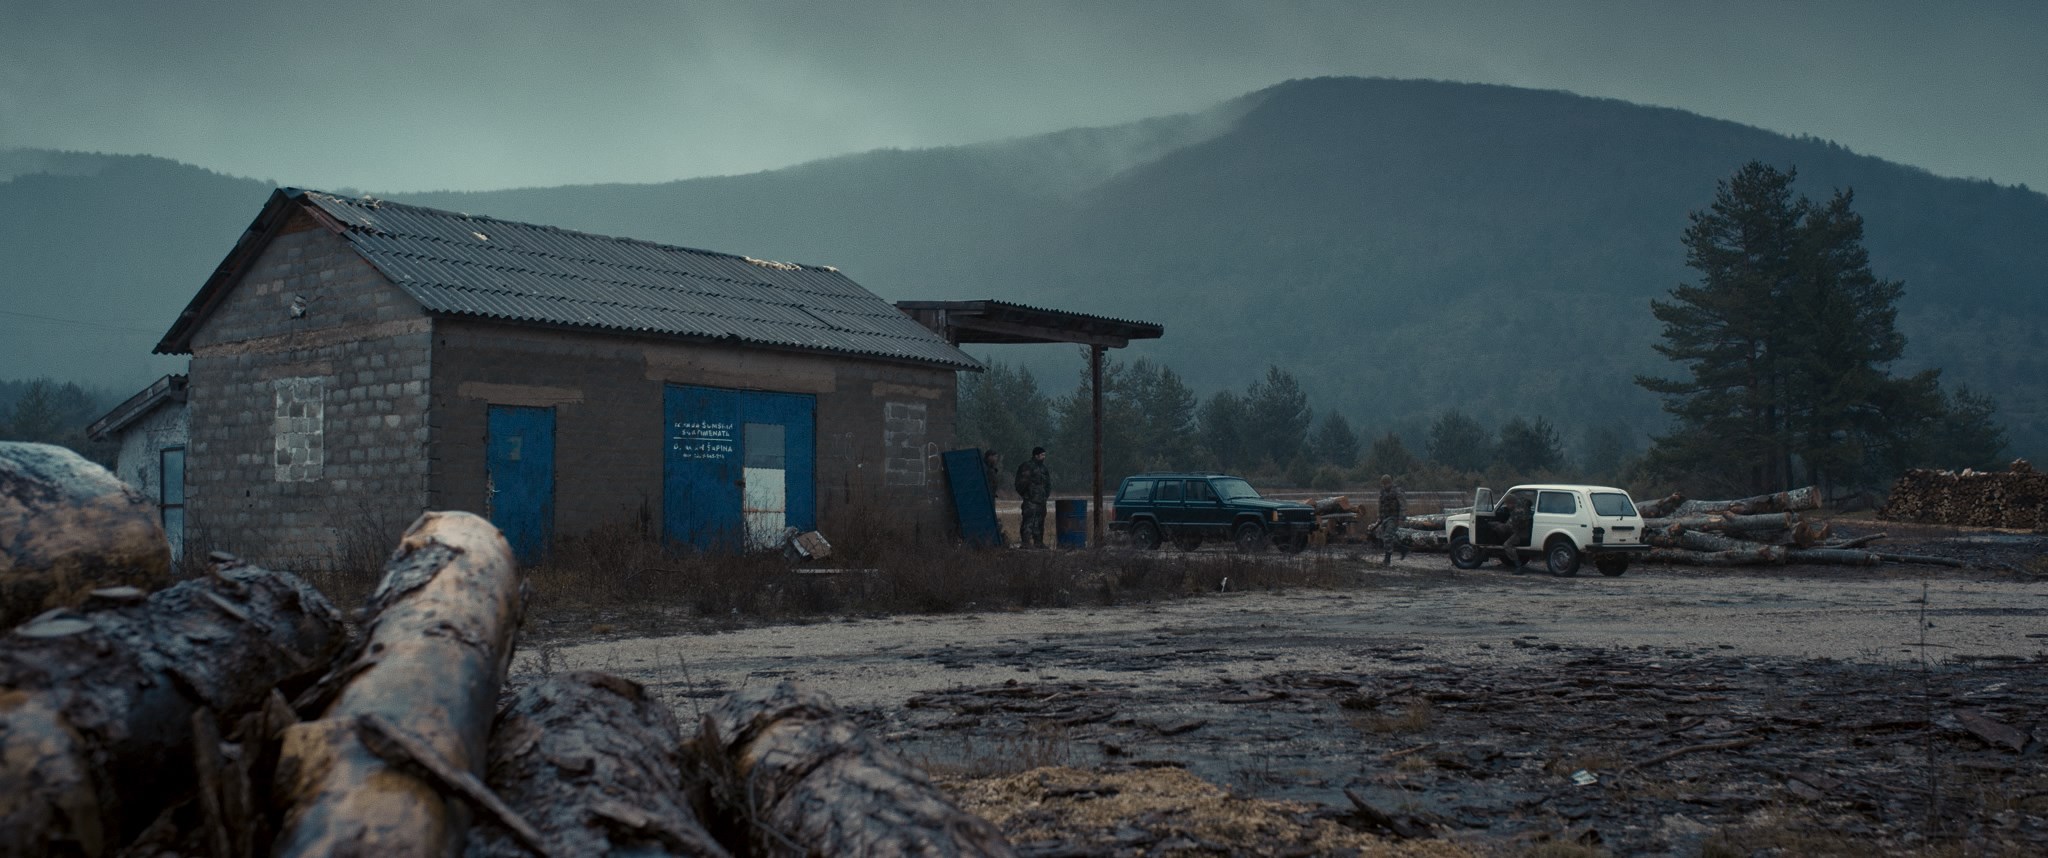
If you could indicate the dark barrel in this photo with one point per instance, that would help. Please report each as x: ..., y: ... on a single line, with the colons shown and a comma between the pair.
x: 1070, y: 521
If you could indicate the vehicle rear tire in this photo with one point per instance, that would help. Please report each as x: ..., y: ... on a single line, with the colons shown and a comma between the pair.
x: 1187, y: 540
x: 1250, y: 537
x: 1466, y: 555
x: 1146, y: 535
x: 1563, y: 557
x: 1611, y: 565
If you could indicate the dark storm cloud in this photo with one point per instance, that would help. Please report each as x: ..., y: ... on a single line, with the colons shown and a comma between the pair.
x: 404, y: 95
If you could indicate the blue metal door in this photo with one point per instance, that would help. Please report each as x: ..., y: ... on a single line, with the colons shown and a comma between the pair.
x: 974, y: 506
x: 519, y: 468
x: 738, y: 466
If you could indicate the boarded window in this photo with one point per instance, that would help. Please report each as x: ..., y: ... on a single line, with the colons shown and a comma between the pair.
x: 299, y: 429
x: 903, y: 439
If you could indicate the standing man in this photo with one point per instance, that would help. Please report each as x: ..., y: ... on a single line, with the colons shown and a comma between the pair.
x: 1390, y: 520
x: 1034, y: 487
x: 1520, y: 517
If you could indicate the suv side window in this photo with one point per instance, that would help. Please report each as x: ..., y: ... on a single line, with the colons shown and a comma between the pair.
x: 1169, y: 490
x: 1136, y: 490
x: 1199, y: 490
x: 1560, y: 503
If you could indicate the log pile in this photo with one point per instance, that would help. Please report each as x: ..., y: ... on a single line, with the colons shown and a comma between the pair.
x: 2014, y: 498
x: 68, y: 528
x: 1766, y: 530
x: 235, y: 715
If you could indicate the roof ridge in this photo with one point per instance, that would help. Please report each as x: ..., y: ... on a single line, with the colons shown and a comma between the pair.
x: 379, y: 202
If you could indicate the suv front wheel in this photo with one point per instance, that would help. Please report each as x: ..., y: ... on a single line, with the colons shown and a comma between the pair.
x: 1563, y: 557
x: 1250, y: 537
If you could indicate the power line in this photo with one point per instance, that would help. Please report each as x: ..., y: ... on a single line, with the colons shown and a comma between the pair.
x: 80, y: 323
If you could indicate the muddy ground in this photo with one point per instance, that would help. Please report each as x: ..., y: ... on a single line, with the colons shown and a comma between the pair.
x: 1807, y: 710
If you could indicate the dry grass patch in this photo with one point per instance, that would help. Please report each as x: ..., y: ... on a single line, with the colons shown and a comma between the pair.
x: 1164, y: 812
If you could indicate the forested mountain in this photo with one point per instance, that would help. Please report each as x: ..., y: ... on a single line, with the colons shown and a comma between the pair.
x: 1403, y: 247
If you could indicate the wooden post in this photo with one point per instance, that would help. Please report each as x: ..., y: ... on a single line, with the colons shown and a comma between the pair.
x: 1095, y: 390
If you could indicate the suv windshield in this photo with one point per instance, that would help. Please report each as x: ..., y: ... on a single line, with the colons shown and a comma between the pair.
x: 1612, y: 503
x: 1233, y: 488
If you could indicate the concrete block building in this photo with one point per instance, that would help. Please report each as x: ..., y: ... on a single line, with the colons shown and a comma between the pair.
x: 356, y: 361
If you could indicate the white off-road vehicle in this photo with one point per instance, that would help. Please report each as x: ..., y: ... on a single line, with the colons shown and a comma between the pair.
x: 1567, y: 525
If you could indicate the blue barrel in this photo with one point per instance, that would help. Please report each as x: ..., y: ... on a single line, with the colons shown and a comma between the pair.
x: 1070, y: 521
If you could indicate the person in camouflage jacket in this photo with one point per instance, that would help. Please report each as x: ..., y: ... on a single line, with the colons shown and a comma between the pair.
x: 1034, y: 487
x: 1390, y: 521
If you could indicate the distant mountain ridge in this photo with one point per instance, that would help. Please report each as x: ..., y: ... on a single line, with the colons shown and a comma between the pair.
x: 1402, y: 246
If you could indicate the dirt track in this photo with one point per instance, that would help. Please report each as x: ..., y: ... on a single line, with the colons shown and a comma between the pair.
x: 1460, y: 704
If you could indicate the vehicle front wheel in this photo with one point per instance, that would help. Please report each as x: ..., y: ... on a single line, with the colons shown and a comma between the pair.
x: 1464, y: 554
x: 1145, y: 534
x: 1250, y: 537
x: 1563, y: 557
x: 1611, y: 565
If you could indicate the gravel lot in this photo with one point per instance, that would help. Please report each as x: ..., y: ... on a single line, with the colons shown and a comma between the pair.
x: 1461, y: 705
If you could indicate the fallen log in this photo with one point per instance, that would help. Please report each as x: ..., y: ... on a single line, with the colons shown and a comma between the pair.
x: 1786, y: 501
x: 1921, y: 559
x: 1329, y: 505
x: 98, y: 706
x: 1693, y: 540
x: 596, y: 766
x: 810, y: 782
x: 67, y: 527
x: 1433, y: 521
x: 1726, y: 523
x: 1423, y: 540
x: 430, y: 660
x: 1834, y: 557
x: 1660, y: 507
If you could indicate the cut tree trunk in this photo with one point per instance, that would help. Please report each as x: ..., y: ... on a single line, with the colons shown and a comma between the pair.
x: 1693, y: 540
x: 1433, y: 521
x: 810, y: 782
x: 98, y: 706
x: 1787, y: 501
x: 429, y: 663
x: 1422, y: 540
x: 67, y: 527
x: 1660, y: 507
x: 595, y: 765
x: 1329, y: 505
x: 1725, y: 523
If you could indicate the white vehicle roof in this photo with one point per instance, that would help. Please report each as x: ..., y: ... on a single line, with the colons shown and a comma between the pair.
x: 1567, y: 487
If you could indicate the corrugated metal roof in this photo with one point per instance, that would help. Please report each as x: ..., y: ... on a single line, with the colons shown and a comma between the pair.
x: 460, y: 264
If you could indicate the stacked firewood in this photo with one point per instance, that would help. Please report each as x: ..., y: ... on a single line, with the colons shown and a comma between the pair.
x: 236, y: 714
x: 1758, y: 531
x: 2016, y: 497
x: 1344, y: 522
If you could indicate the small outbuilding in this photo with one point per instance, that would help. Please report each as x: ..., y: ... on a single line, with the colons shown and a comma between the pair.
x: 151, y: 429
x: 356, y: 361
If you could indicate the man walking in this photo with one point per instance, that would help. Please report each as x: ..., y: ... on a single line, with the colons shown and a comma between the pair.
x: 1519, y: 520
x: 1390, y: 521
x: 1034, y: 487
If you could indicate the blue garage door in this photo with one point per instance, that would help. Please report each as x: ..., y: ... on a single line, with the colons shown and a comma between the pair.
x: 739, y: 466
x: 519, y: 463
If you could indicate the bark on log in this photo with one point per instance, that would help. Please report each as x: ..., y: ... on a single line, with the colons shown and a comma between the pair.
x: 1834, y: 557
x: 67, y: 527
x: 97, y: 706
x: 1725, y: 523
x: 430, y: 661
x: 1433, y: 521
x: 1693, y: 540
x: 1660, y: 507
x: 1787, y: 501
x: 1336, y: 504
x: 1423, y: 540
x: 810, y: 782
x: 596, y: 765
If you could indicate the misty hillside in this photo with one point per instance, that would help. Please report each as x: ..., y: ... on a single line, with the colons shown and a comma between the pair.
x: 1402, y: 246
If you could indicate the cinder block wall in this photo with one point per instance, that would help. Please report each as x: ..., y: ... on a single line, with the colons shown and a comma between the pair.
x: 879, y: 423
x: 309, y: 431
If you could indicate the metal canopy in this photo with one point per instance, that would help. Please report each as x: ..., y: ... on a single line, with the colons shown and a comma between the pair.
x: 1000, y: 322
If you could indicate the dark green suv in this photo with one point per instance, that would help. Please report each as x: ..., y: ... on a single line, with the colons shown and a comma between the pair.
x: 1188, y: 508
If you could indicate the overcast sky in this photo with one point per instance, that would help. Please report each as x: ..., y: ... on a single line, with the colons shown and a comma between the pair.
x: 468, y: 94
